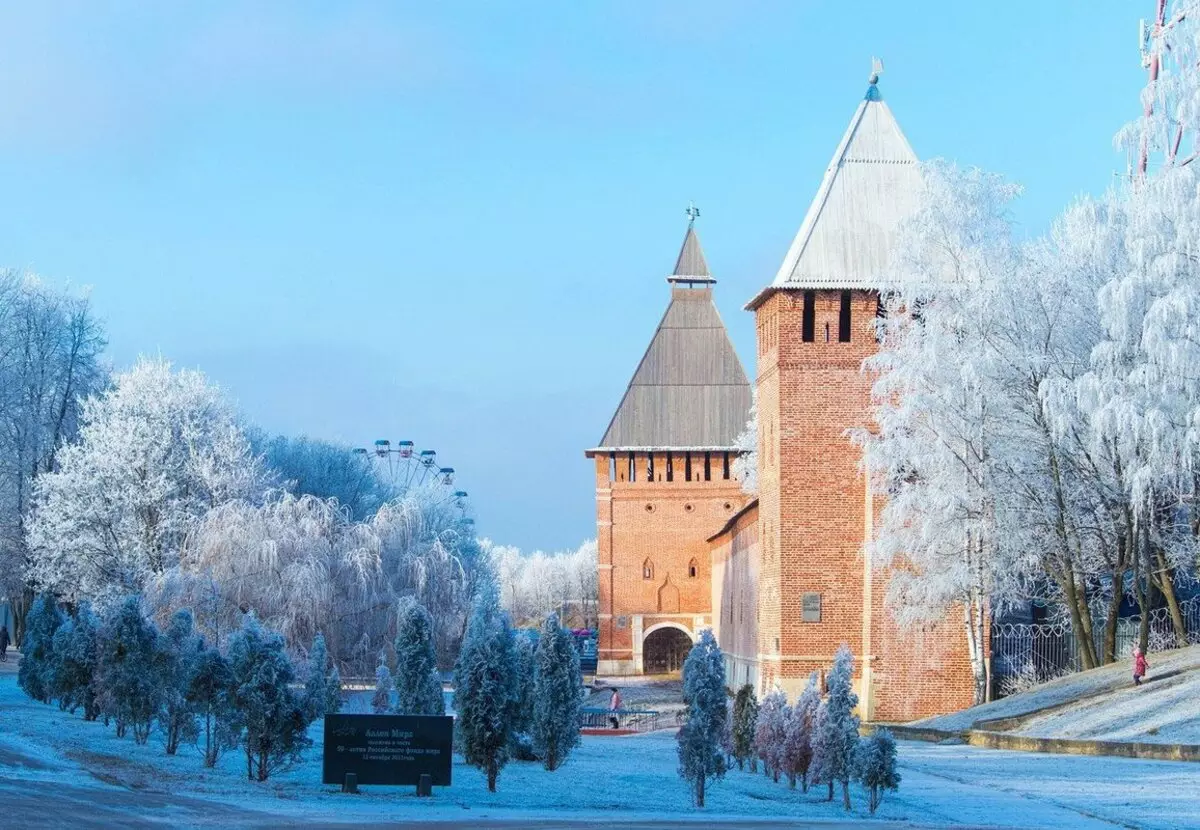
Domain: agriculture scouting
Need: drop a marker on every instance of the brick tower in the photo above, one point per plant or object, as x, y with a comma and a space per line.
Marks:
664, 480
815, 325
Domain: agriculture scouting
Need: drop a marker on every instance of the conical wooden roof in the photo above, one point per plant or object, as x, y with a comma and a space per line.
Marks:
870, 186
689, 391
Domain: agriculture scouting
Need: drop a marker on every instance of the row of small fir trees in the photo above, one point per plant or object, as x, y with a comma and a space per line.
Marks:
514, 697
814, 741
120, 668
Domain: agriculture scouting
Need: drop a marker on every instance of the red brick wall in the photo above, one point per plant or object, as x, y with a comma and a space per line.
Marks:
667, 523
735, 582
815, 519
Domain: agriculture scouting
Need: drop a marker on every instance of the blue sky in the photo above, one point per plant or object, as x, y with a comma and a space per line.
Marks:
450, 222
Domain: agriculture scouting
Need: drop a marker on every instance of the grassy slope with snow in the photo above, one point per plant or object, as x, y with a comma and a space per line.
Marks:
1109, 707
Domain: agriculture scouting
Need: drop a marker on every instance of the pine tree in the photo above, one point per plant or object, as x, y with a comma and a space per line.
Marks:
180, 649
129, 671
381, 701
526, 647
211, 694
816, 772
485, 686
837, 735
769, 732
700, 755
418, 683
798, 748
273, 719
37, 650
323, 686
558, 684
745, 720
875, 766
75, 651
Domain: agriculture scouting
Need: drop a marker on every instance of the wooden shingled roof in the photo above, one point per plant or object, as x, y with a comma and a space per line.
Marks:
690, 391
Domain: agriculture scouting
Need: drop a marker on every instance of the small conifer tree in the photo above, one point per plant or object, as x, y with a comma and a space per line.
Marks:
745, 721
875, 766
418, 683
381, 701
485, 686
323, 685
211, 695
700, 756
180, 649
558, 685
769, 732
798, 749
130, 670
836, 737
273, 719
36, 671
75, 653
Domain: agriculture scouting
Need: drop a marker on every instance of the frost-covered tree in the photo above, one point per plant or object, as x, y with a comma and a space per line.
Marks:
418, 682
35, 675
180, 648
76, 649
534, 584
272, 718
50, 345
835, 737
875, 766
303, 565
701, 758
745, 723
558, 687
745, 464
770, 731
323, 683
381, 701
325, 470
526, 647
798, 734
486, 687
156, 452
211, 695
130, 671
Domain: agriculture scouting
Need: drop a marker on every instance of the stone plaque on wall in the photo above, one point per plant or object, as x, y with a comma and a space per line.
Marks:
811, 608
622, 622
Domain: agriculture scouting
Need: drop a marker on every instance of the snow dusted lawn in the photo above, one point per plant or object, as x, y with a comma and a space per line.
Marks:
621, 778
1115, 681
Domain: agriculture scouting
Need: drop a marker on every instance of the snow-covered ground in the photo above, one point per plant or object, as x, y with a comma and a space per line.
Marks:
1110, 707
44, 752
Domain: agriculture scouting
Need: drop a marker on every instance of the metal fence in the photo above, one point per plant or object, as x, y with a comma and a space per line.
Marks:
1041, 651
635, 720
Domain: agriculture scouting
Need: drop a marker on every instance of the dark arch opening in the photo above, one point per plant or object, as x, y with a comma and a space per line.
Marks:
665, 650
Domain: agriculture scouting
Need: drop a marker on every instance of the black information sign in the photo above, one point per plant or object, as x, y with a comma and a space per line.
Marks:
388, 749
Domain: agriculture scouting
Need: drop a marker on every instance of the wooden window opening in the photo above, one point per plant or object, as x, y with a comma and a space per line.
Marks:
808, 321
844, 319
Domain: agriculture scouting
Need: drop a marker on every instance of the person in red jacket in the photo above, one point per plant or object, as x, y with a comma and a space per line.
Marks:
1139, 666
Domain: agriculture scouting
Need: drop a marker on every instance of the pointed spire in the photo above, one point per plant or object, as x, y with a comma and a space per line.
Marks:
690, 266
870, 186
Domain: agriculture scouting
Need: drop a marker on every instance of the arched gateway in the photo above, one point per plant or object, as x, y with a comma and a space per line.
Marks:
664, 648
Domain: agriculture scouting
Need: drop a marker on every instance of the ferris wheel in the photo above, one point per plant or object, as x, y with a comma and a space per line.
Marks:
404, 468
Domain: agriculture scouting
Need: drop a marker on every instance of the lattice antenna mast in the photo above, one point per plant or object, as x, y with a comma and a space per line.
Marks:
1155, 51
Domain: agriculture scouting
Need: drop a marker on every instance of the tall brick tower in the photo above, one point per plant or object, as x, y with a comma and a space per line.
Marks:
664, 480
815, 326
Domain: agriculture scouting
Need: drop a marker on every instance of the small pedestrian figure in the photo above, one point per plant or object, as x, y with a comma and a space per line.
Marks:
3, 643
614, 706
1139, 666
